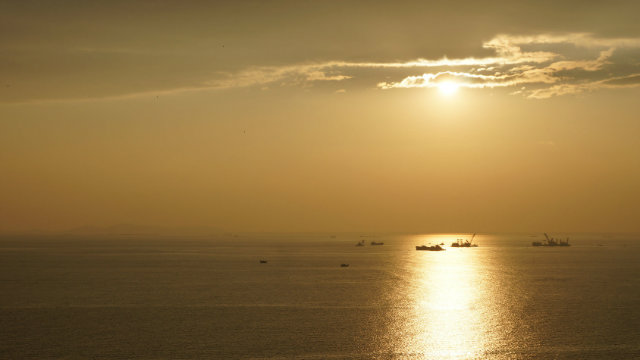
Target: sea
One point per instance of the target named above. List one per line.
(135, 296)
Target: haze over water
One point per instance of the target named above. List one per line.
(304, 125)
(130, 297)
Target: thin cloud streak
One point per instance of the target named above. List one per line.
(568, 89)
(514, 76)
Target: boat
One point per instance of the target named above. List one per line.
(430, 248)
(360, 243)
(464, 243)
(377, 243)
(263, 261)
(551, 242)
(344, 265)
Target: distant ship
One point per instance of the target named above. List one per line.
(551, 242)
(360, 243)
(465, 243)
(377, 243)
(430, 248)
(344, 265)
(263, 261)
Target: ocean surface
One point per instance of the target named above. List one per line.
(129, 297)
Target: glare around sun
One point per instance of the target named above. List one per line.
(448, 88)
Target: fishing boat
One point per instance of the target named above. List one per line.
(263, 261)
(377, 243)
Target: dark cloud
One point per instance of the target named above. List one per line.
(72, 49)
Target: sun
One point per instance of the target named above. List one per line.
(448, 88)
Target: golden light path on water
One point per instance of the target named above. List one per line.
(445, 318)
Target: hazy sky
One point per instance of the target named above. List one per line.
(410, 116)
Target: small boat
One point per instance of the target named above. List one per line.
(263, 261)
(377, 243)
(430, 248)
(344, 265)
(360, 243)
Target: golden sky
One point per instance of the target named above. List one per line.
(407, 116)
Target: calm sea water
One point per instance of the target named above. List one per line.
(211, 298)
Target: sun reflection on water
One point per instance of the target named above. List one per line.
(444, 319)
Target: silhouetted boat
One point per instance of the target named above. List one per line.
(465, 243)
(344, 265)
(377, 243)
(430, 248)
(360, 243)
(551, 242)
(263, 261)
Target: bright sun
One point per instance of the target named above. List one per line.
(448, 88)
